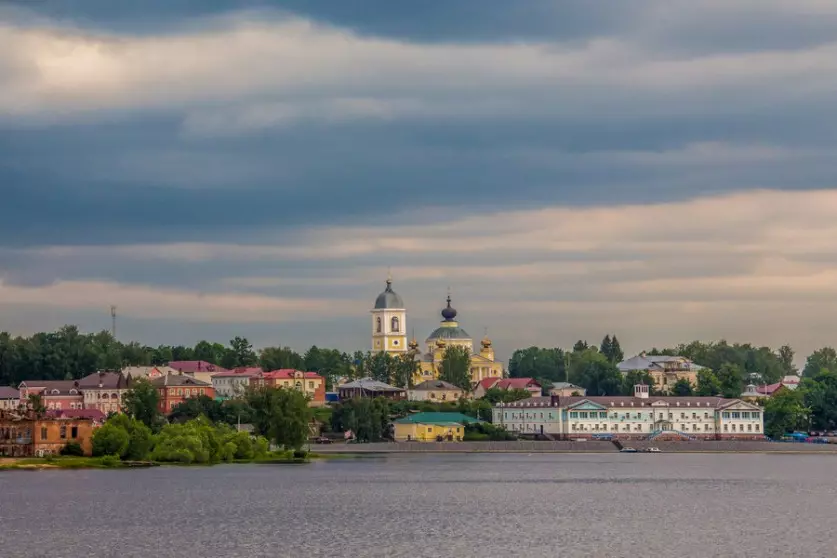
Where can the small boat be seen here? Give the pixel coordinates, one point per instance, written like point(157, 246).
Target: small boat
point(652, 450)
point(627, 450)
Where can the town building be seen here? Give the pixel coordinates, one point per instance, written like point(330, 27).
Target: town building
point(367, 387)
point(309, 383)
point(9, 398)
point(177, 388)
point(235, 382)
point(526, 384)
point(664, 370)
point(389, 335)
point(147, 372)
point(639, 417)
point(435, 391)
point(566, 389)
point(432, 427)
point(28, 434)
point(198, 369)
point(54, 394)
point(104, 391)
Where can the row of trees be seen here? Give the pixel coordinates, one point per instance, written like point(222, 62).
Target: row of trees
point(279, 415)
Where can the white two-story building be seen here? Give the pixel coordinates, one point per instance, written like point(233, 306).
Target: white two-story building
point(640, 416)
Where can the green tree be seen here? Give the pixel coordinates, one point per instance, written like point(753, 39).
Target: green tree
point(707, 383)
point(367, 419)
point(405, 368)
point(820, 397)
point(785, 412)
point(205, 351)
point(455, 367)
point(731, 379)
point(606, 348)
point(545, 365)
point(591, 370)
point(281, 415)
point(785, 355)
point(824, 359)
point(580, 346)
point(277, 358)
point(496, 395)
point(635, 378)
point(239, 354)
point(141, 402)
point(616, 355)
point(682, 388)
point(110, 439)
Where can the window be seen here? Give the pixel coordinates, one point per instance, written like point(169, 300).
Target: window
point(736, 415)
point(74, 432)
point(755, 415)
point(757, 428)
point(749, 428)
point(43, 433)
point(706, 415)
point(378, 325)
point(726, 414)
point(682, 415)
point(745, 415)
point(429, 429)
point(726, 427)
point(310, 385)
point(63, 432)
point(394, 323)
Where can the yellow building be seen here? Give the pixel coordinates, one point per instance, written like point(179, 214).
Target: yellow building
point(451, 334)
point(389, 326)
point(432, 427)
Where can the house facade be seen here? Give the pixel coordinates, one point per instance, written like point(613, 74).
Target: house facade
point(566, 389)
point(9, 398)
point(174, 389)
point(28, 435)
point(61, 394)
point(435, 391)
point(432, 427)
point(367, 387)
point(309, 383)
point(104, 391)
point(638, 417)
point(527, 384)
point(233, 383)
point(664, 370)
point(198, 369)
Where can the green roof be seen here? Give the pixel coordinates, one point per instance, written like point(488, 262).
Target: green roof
point(442, 419)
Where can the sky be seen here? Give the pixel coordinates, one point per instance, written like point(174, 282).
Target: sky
point(661, 170)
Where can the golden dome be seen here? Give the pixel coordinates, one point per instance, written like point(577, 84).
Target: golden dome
point(486, 342)
point(414, 345)
point(440, 343)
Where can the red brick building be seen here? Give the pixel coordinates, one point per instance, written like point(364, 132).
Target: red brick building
point(25, 434)
point(63, 394)
point(176, 388)
point(310, 383)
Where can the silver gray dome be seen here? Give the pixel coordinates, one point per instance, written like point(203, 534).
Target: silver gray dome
point(388, 298)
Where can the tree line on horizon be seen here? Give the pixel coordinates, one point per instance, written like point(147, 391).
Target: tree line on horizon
point(68, 354)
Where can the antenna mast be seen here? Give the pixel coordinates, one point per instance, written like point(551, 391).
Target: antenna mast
point(113, 321)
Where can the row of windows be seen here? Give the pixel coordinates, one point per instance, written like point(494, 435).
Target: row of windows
point(181, 391)
point(62, 433)
point(394, 325)
point(742, 414)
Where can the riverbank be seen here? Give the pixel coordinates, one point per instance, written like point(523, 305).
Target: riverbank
point(109, 462)
point(578, 447)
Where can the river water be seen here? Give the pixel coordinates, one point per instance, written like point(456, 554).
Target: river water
point(492, 505)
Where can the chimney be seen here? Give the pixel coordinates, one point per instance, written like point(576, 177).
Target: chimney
point(101, 375)
point(199, 365)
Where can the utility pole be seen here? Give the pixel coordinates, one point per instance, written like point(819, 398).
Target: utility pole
point(113, 321)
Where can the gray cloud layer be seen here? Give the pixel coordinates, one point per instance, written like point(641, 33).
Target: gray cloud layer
point(245, 162)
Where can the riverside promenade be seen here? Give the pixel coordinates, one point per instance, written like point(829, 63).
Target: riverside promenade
point(575, 447)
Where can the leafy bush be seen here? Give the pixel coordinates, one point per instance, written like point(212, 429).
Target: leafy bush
point(200, 441)
point(300, 454)
point(124, 437)
point(110, 439)
point(72, 448)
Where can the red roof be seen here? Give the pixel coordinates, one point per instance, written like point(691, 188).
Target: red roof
point(192, 366)
point(516, 383)
point(94, 414)
point(488, 383)
point(769, 389)
point(288, 373)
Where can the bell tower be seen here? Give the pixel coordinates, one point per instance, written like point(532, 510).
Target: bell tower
point(389, 322)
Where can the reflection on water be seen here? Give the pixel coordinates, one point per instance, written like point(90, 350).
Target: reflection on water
point(432, 505)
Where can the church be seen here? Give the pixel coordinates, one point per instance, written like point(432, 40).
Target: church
point(389, 334)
